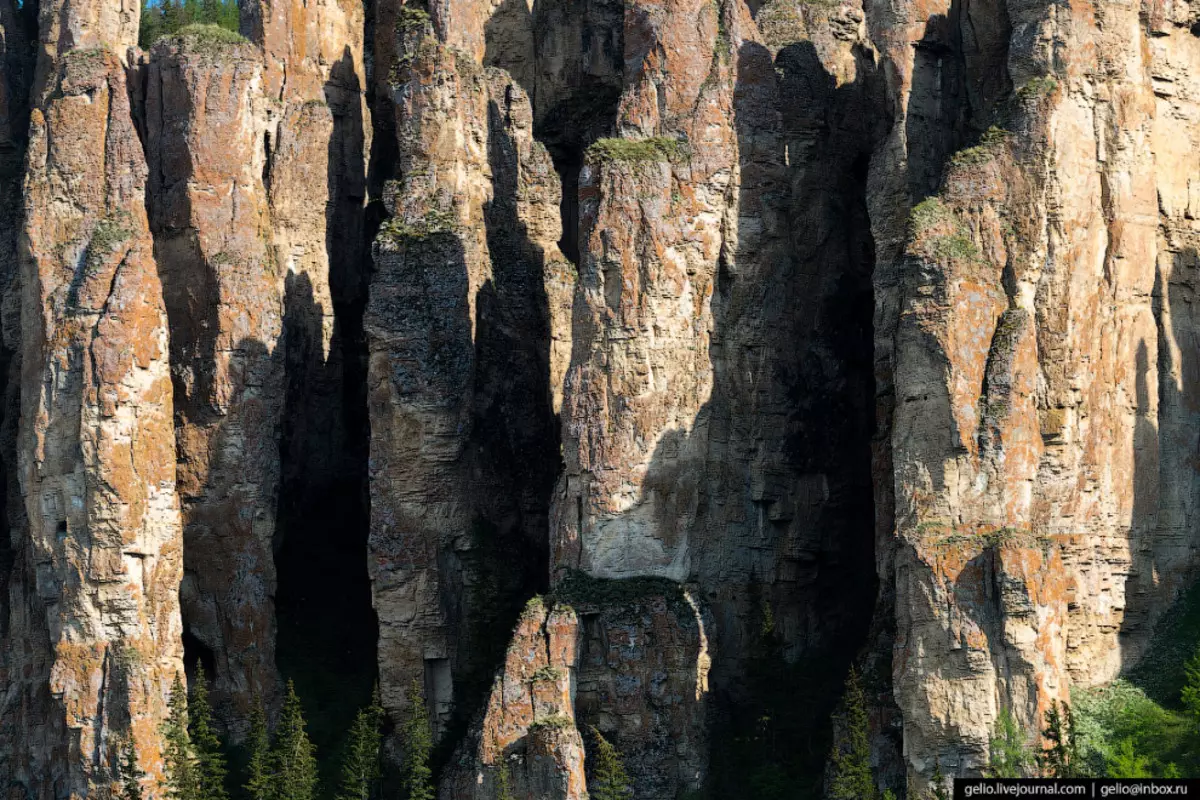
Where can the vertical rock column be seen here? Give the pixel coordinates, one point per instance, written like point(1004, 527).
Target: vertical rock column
point(463, 449)
point(102, 554)
point(205, 125)
point(1017, 333)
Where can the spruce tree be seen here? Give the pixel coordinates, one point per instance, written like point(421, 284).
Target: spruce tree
point(1191, 686)
point(610, 780)
point(258, 743)
point(182, 776)
point(418, 746)
point(210, 760)
point(1125, 762)
point(1060, 758)
point(293, 761)
point(131, 773)
point(852, 779)
point(937, 785)
point(361, 768)
point(504, 782)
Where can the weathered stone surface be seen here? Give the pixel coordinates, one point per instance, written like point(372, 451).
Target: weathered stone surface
point(629, 659)
point(205, 122)
point(463, 449)
point(93, 640)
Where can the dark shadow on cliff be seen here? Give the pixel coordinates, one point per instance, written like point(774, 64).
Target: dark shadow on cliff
point(326, 624)
point(513, 447)
point(793, 401)
point(1166, 483)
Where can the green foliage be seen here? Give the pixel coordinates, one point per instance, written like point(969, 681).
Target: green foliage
point(109, 234)
point(504, 782)
point(1124, 762)
point(1010, 756)
point(362, 764)
point(1108, 715)
point(434, 222)
point(852, 778)
point(609, 779)
point(182, 771)
point(418, 745)
point(206, 745)
point(131, 773)
point(1190, 694)
point(258, 743)
point(196, 18)
point(940, 234)
point(293, 758)
point(553, 721)
point(989, 144)
point(546, 673)
point(655, 148)
point(937, 786)
point(410, 17)
point(1060, 758)
point(1037, 87)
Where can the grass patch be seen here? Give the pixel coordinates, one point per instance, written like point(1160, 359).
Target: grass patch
point(939, 234)
point(655, 148)
point(985, 150)
point(209, 38)
point(552, 722)
point(584, 592)
point(109, 234)
point(437, 221)
point(1037, 87)
point(411, 17)
point(546, 673)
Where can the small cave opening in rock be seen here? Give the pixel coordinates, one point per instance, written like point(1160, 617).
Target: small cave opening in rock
point(196, 654)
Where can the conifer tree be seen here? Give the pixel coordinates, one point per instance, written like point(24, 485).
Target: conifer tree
point(258, 743)
point(210, 760)
point(1125, 762)
point(1060, 758)
point(361, 768)
point(293, 761)
point(610, 779)
point(852, 779)
point(131, 773)
point(504, 782)
point(418, 746)
point(1191, 686)
point(937, 784)
point(180, 762)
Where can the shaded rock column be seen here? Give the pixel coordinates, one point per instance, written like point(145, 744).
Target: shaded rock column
point(463, 447)
point(205, 123)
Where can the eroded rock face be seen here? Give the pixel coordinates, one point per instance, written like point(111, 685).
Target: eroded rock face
point(205, 122)
point(93, 637)
point(1025, 327)
point(628, 658)
point(463, 449)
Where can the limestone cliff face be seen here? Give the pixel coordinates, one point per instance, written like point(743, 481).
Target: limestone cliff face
point(93, 636)
point(463, 449)
point(1028, 342)
point(754, 339)
point(205, 121)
